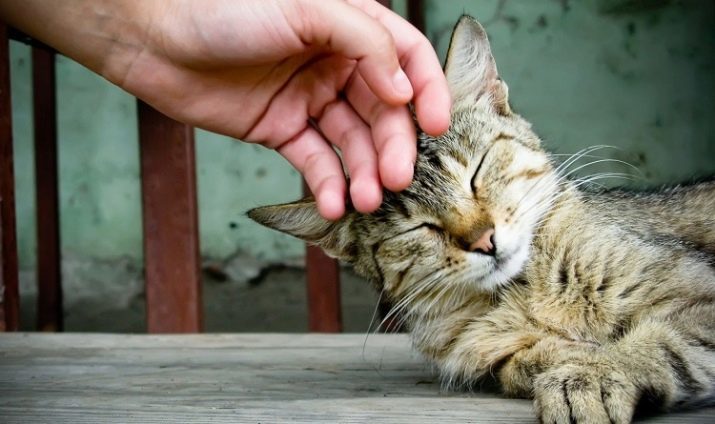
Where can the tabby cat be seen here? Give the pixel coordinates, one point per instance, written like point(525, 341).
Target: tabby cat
point(588, 302)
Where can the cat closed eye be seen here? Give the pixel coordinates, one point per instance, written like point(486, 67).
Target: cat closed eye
point(432, 227)
point(476, 173)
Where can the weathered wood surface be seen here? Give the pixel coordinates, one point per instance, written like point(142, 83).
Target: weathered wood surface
point(241, 378)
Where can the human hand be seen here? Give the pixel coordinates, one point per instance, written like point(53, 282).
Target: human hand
point(296, 76)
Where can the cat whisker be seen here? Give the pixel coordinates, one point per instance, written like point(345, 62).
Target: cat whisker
point(575, 157)
point(580, 154)
point(602, 176)
point(586, 153)
point(575, 184)
point(397, 310)
point(526, 210)
point(434, 294)
point(437, 297)
point(564, 177)
point(572, 154)
point(542, 207)
point(367, 333)
point(372, 320)
point(421, 288)
point(415, 289)
point(587, 164)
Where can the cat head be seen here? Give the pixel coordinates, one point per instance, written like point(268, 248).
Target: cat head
point(478, 194)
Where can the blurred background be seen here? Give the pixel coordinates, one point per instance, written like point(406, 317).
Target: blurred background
point(635, 74)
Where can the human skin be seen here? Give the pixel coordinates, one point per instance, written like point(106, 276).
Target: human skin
point(297, 76)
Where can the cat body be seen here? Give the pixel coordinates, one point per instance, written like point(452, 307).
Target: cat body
point(501, 266)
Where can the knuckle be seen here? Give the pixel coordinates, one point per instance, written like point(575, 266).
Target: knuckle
point(375, 111)
point(352, 133)
point(384, 43)
point(314, 161)
point(394, 138)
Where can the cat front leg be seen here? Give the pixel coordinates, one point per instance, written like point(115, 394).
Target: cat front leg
point(655, 360)
point(585, 393)
point(570, 380)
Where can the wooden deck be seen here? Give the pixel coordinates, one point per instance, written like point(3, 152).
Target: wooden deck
point(238, 378)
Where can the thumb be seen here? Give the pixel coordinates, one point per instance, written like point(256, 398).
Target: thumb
point(346, 30)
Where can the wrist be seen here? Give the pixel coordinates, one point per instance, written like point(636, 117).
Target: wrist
point(103, 35)
point(114, 36)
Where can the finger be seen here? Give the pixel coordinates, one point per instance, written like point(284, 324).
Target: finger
point(432, 99)
point(313, 157)
point(303, 96)
point(393, 134)
point(344, 128)
point(420, 62)
point(396, 145)
point(350, 32)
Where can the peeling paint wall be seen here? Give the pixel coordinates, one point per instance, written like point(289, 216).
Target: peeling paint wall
point(633, 74)
point(629, 73)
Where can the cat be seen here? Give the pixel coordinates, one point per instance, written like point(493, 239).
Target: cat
point(589, 302)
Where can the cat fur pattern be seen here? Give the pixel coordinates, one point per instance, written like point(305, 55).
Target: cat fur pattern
point(502, 266)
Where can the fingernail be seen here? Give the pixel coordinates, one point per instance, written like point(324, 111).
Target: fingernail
point(402, 83)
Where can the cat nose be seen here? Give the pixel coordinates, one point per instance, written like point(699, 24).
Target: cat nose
point(485, 243)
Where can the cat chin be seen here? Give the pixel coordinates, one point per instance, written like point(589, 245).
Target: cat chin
point(505, 270)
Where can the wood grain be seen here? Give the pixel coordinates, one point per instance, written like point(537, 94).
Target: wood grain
point(305, 378)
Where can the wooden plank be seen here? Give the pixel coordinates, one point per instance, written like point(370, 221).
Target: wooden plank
point(171, 237)
point(49, 290)
point(322, 275)
point(227, 378)
point(9, 293)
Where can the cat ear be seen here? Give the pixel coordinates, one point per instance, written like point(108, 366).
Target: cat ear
point(301, 219)
point(471, 71)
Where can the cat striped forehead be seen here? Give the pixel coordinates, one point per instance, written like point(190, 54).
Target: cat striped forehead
point(469, 136)
point(446, 164)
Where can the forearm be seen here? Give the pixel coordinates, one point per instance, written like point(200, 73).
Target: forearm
point(103, 35)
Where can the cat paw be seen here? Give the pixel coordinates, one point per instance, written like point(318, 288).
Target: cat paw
point(584, 394)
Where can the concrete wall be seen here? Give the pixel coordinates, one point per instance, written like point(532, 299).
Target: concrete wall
point(614, 72)
point(588, 72)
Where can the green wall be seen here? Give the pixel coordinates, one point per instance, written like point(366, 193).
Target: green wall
point(633, 74)
point(99, 174)
point(585, 73)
